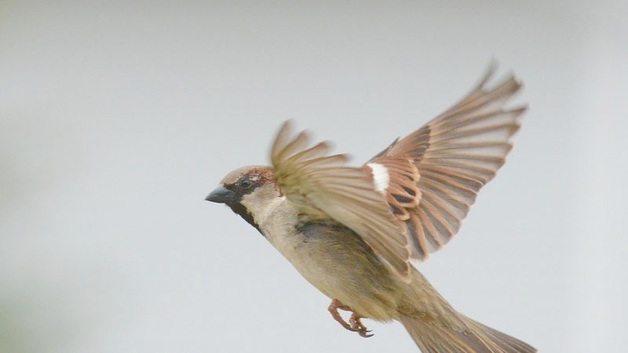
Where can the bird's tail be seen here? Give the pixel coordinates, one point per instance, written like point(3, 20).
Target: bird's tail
point(432, 336)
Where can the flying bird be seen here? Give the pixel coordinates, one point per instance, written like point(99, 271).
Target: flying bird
point(357, 233)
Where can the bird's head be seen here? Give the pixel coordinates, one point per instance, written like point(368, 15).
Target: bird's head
point(249, 191)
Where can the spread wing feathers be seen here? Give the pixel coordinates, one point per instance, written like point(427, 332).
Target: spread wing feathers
point(322, 185)
point(402, 192)
point(455, 154)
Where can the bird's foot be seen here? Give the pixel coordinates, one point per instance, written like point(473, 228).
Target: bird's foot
point(354, 324)
point(358, 326)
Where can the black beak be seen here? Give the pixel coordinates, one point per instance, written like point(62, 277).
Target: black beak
point(221, 195)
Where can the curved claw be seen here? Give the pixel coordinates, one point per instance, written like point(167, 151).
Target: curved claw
point(354, 324)
point(358, 326)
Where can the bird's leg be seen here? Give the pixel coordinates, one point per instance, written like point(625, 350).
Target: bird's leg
point(333, 309)
point(354, 325)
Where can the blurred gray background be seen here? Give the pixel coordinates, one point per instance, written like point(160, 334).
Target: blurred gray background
point(117, 118)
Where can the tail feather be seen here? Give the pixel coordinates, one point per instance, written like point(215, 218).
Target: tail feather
point(432, 336)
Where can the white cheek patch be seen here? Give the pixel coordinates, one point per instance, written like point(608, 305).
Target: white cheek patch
point(381, 178)
point(260, 205)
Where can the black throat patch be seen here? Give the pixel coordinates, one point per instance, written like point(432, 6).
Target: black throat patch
point(237, 208)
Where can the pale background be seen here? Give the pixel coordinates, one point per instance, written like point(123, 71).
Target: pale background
point(117, 118)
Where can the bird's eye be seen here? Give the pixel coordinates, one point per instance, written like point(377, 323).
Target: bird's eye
point(246, 184)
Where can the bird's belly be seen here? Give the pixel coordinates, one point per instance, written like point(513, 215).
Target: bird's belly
point(343, 269)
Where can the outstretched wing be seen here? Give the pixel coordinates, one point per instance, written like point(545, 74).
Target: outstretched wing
point(322, 184)
point(435, 173)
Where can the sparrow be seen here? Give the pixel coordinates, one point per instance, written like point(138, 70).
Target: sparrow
point(358, 234)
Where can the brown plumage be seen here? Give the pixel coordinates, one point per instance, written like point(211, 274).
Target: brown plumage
point(353, 232)
point(455, 154)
